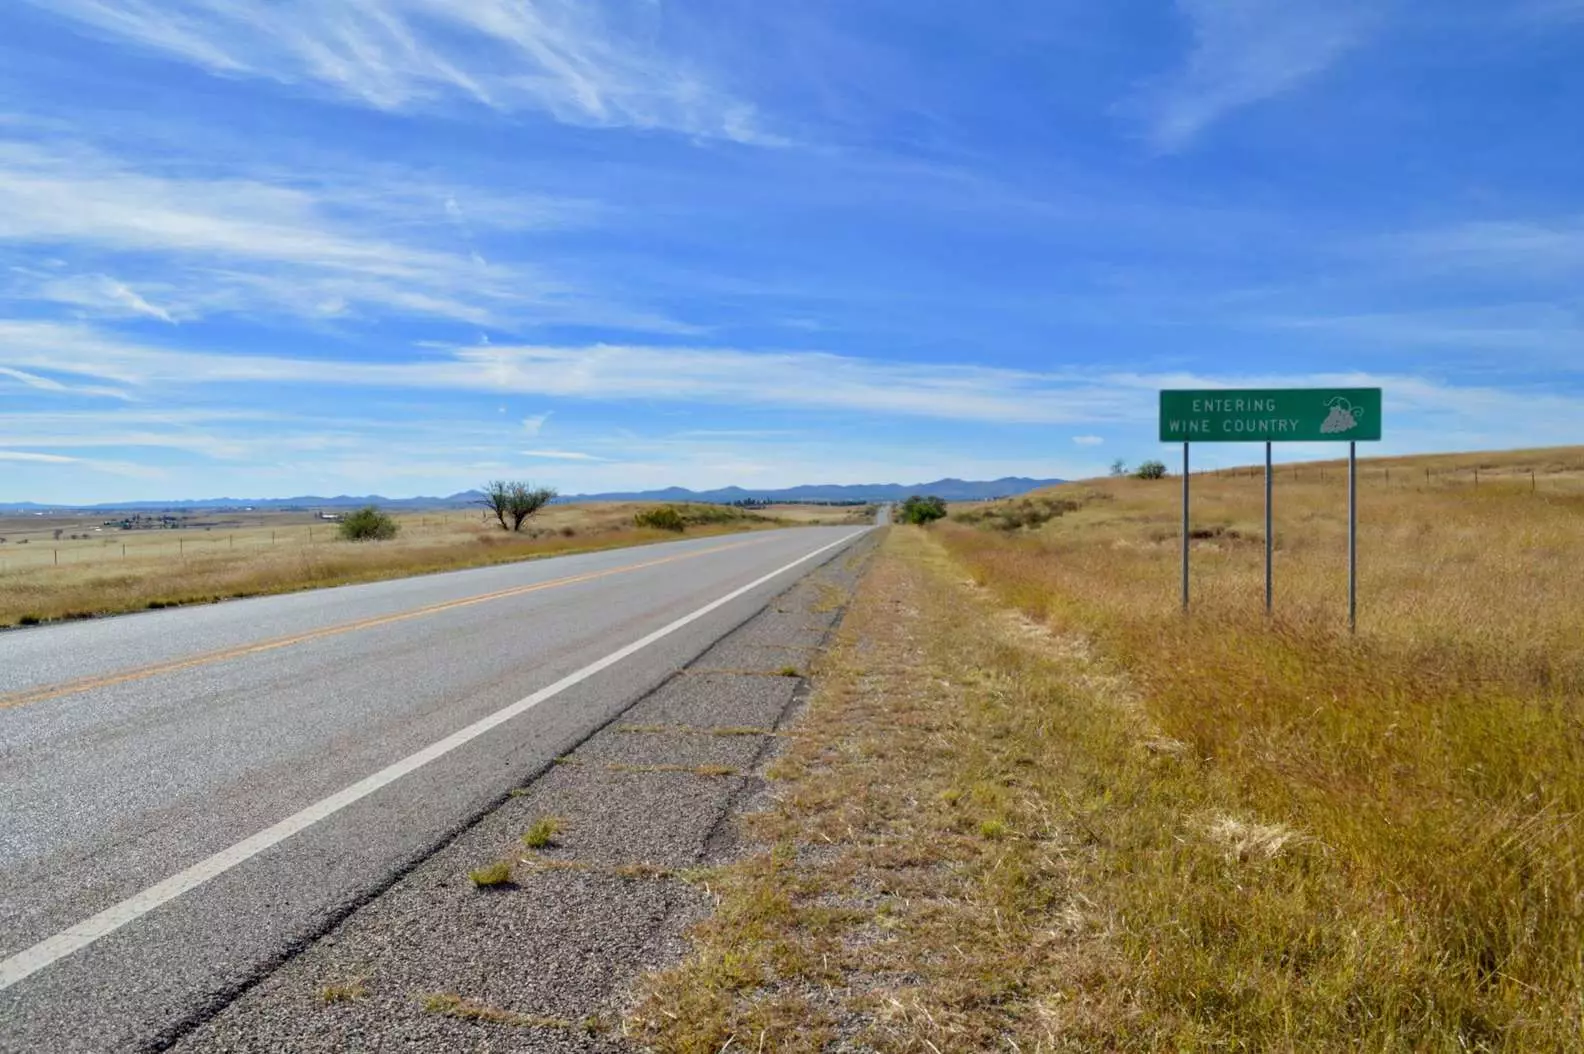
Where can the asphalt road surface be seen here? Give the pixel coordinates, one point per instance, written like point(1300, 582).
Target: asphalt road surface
point(192, 795)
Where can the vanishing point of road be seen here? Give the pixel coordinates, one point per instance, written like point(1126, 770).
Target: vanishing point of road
point(191, 795)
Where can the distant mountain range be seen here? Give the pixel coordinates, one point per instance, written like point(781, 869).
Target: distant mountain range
point(949, 489)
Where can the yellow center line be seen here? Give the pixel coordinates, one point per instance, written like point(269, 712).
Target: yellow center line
point(87, 684)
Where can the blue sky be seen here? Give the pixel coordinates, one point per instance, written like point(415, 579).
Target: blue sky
point(272, 247)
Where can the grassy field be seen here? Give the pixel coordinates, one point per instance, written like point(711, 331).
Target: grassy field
point(1037, 808)
point(60, 566)
point(835, 514)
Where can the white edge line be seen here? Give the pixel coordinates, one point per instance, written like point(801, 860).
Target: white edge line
point(74, 938)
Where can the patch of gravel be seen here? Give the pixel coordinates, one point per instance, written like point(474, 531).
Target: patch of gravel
point(585, 916)
point(715, 700)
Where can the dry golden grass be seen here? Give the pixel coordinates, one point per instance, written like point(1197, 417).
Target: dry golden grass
point(911, 892)
point(1430, 772)
point(833, 515)
point(344, 992)
point(164, 568)
point(1032, 807)
point(447, 1004)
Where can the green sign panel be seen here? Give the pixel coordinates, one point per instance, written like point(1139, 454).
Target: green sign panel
point(1281, 415)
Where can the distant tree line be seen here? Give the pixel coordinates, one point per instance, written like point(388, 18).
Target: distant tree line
point(760, 503)
point(1151, 469)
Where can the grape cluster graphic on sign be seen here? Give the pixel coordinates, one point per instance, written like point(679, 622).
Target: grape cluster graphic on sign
point(1344, 417)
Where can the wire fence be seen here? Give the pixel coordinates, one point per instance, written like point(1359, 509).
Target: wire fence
point(1535, 481)
point(27, 549)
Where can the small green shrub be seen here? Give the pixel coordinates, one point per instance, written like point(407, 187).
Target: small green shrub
point(922, 509)
point(1151, 470)
point(369, 524)
point(1019, 513)
point(663, 518)
point(695, 513)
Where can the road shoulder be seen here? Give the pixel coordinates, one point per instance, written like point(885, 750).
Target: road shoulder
point(918, 879)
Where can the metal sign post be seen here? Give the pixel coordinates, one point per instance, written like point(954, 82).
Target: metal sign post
point(1270, 538)
point(1352, 537)
point(1185, 531)
point(1308, 415)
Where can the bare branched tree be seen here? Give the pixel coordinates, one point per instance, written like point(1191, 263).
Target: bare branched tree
point(512, 502)
point(524, 501)
point(497, 499)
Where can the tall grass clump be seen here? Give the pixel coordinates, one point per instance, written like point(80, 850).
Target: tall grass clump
point(1427, 775)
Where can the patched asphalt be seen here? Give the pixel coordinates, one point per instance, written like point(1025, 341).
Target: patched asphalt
point(651, 794)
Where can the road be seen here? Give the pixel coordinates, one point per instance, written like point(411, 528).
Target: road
point(193, 794)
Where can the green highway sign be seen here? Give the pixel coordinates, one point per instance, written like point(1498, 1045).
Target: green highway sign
point(1281, 415)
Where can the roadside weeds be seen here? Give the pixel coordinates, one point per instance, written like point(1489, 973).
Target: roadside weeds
point(913, 881)
point(978, 839)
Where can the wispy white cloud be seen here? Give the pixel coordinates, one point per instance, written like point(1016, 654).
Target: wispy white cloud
point(809, 381)
point(1244, 52)
point(1088, 440)
point(50, 384)
point(535, 424)
point(603, 64)
point(1540, 332)
point(128, 240)
point(100, 295)
point(561, 455)
point(70, 194)
point(218, 243)
point(39, 459)
point(256, 453)
point(62, 461)
point(1533, 248)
